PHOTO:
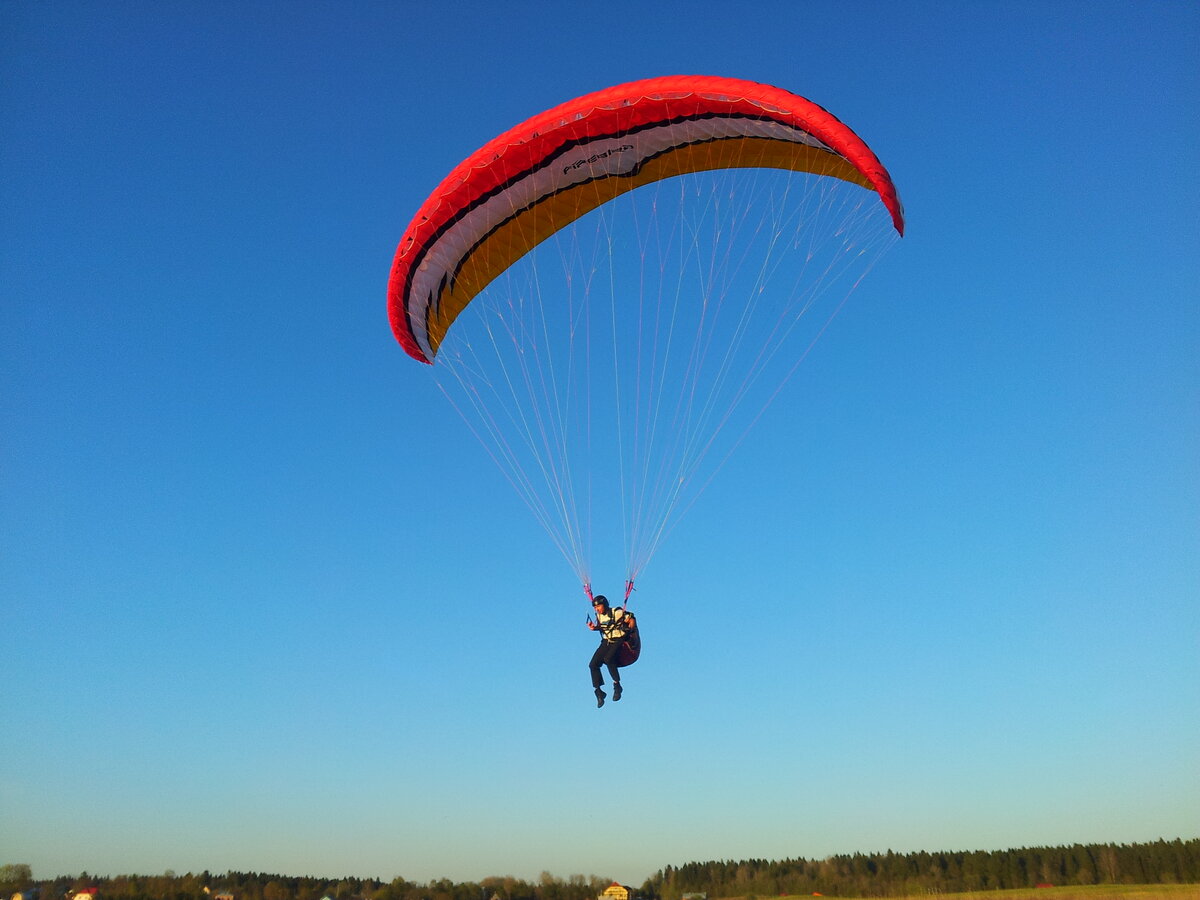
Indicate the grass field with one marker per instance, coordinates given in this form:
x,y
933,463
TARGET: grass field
x,y
1076,892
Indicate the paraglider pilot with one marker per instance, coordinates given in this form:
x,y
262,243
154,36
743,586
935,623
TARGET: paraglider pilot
x,y
613,625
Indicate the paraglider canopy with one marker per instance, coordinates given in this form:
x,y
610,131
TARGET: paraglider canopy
x,y
615,289
522,186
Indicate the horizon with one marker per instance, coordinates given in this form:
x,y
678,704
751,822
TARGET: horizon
x,y
593,878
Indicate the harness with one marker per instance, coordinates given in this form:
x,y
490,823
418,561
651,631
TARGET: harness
x,y
631,642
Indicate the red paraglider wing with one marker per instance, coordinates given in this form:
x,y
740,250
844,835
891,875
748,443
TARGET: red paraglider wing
x,y
540,176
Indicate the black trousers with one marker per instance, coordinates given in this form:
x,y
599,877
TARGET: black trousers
x,y
605,655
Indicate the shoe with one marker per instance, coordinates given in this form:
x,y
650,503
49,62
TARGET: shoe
x,y
600,695
616,692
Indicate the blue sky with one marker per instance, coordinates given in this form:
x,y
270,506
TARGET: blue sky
x,y
267,607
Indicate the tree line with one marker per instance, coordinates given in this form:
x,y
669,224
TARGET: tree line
x,y
858,875
905,874
265,886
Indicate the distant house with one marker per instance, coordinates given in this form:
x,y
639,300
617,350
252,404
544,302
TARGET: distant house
x,y
703,896
616,892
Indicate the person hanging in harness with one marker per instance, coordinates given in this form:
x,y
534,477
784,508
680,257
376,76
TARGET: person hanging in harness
x,y
615,627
